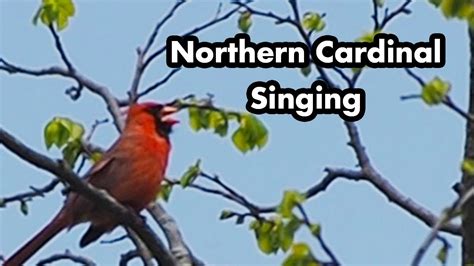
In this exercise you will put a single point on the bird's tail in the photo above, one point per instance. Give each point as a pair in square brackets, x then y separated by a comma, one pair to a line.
[58, 223]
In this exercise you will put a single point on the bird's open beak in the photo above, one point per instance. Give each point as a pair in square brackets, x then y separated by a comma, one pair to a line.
[167, 115]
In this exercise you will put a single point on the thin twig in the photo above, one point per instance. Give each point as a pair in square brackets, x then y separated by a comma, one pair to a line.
[141, 53]
[402, 9]
[192, 32]
[96, 88]
[159, 83]
[67, 255]
[60, 48]
[27, 196]
[447, 101]
[127, 257]
[324, 246]
[448, 214]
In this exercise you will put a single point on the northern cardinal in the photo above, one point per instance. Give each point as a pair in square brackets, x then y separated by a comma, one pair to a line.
[131, 171]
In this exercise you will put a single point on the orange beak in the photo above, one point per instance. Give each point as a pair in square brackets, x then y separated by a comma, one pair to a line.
[167, 115]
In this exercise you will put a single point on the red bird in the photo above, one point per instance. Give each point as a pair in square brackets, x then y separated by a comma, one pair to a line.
[131, 171]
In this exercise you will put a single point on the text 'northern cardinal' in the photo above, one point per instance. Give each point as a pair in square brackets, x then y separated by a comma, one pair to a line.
[131, 171]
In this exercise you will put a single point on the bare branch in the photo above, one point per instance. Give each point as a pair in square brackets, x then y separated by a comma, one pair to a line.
[296, 23]
[387, 189]
[375, 15]
[324, 246]
[178, 247]
[447, 101]
[140, 66]
[114, 240]
[67, 255]
[159, 83]
[143, 251]
[160, 24]
[60, 48]
[92, 86]
[417, 78]
[127, 257]
[379, 26]
[448, 214]
[94, 127]
[402, 9]
[27, 196]
[191, 32]
[124, 215]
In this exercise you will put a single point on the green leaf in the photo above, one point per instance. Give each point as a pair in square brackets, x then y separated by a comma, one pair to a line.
[468, 166]
[452, 8]
[435, 91]
[191, 174]
[301, 249]
[313, 22]
[245, 21]
[24, 208]
[219, 122]
[62, 137]
[47, 13]
[251, 134]
[50, 133]
[442, 255]
[240, 140]
[226, 214]
[59, 131]
[71, 152]
[37, 15]
[194, 118]
[77, 131]
[56, 133]
[300, 256]
[368, 36]
[380, 3]
[315, 229]
[2, 203]
[267, 235]
[287, 232]
[58, 11]
[436, 3]
[165, 191]
[290, 199]
[356, 70]
[306, 70]
[267, 240]
[95, 157]
[254, 225]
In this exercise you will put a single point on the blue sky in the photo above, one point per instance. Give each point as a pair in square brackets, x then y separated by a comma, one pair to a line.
[416, 147]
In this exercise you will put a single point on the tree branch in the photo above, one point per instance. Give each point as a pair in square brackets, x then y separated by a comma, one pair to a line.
[98, 89]
[124, 215]
[447, 101]
[191, 32]
[296, 23]
[59, 47]
[27, 196]
[67, 255]
[142, 250]
[324, 246]
[447, 215]
[140, 66]
[176, 242]
[384, 186]
[159, 83]
[402, 9]
[127, 257]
